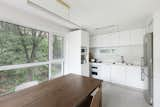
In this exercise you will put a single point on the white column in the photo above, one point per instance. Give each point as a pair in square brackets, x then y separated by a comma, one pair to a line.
[156, 60]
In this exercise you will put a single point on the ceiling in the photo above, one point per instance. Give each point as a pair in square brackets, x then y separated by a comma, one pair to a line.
[102, 13]
[96, 15]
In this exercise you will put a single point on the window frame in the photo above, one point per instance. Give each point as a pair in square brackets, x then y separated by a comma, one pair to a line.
[49, 62]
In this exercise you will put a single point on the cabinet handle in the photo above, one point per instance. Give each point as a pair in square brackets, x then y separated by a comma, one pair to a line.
[142, 75]
[95, 67]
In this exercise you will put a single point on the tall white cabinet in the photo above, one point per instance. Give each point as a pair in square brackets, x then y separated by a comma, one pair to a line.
[74, 42]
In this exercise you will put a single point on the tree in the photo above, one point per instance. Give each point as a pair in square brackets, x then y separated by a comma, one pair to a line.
[20, 45]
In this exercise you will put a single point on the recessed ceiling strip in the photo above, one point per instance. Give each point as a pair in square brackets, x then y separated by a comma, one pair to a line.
[63, 3]
[51, 13]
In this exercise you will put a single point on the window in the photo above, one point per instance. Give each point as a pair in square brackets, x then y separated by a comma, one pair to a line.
[58, 47]
[9, 79]
[22, 45]
[57, 70]
[58, 56]
[24, 56]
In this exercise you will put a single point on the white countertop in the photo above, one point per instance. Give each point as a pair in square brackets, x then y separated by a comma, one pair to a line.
[118, 64]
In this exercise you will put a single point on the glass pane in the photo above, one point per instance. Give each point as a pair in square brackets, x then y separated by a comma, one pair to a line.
[22, 45]
[11, 78]
[58, 47]
[56, 70]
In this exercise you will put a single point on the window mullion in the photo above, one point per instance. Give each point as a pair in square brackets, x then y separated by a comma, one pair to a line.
[50, 55]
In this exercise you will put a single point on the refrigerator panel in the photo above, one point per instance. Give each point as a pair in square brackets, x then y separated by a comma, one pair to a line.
[148, 63]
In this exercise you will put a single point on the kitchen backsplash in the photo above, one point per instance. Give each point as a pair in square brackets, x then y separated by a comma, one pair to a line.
[131, 54]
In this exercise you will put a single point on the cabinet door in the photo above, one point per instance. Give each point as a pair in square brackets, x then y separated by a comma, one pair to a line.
[106, 40]
[96, 41]
[85, 70]
[73, 53]
[124, 38]
[85, 39]
[114, 39]
[137, 36]
[105, 72]
[118, 74]
[133, 77]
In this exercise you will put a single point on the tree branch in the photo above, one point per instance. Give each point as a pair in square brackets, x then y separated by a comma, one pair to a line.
[23, 43]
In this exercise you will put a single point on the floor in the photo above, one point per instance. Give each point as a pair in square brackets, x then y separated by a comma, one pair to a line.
[118, 96]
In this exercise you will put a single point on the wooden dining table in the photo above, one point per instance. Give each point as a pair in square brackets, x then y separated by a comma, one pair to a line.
[67, 91]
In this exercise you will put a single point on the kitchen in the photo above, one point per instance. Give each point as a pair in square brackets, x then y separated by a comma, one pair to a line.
[107, 48]
[121, 56]
[117, 58]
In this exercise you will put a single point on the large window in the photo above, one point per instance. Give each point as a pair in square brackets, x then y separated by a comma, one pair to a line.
[22, 45]
[10, 79]
[25, 56]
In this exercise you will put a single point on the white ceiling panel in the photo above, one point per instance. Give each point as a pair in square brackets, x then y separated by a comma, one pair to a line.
[101, 13]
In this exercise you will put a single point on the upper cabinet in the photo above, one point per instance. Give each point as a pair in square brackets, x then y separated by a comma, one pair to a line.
[85, 39]
[104, 40]
[137, 36]
[124, 38]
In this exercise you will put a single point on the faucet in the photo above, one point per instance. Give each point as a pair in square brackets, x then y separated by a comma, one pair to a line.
[122, 60]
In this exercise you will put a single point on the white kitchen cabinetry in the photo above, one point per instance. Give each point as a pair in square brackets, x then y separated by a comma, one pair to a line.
[118, 74]
[98, 41]
[85, 39]
[133, 77]
[73, 53]
[112, 39]
[85, 69]
[137, 36]
[74, 42]
[104, 72]
[123, 38]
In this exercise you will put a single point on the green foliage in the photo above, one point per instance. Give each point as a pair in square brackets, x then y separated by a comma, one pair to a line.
[20, 45]
[11, 78]
[58, 47]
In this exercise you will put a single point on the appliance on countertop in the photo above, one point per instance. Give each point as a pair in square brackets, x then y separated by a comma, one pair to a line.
[147, 67]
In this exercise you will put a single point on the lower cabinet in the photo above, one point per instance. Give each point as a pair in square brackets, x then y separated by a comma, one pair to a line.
[104, 72]
[133, 77]
[121, 74]
[118, 74]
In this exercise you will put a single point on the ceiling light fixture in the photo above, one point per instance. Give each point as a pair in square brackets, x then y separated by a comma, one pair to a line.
[62, 2]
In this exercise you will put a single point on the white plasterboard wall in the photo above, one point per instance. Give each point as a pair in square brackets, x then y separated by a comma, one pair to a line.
[17, 16]
[156, 59]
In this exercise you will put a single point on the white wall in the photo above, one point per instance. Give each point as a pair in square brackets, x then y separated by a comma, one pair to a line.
[156, 59]
[17, 16]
